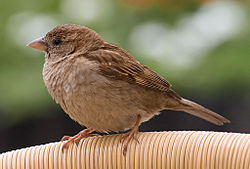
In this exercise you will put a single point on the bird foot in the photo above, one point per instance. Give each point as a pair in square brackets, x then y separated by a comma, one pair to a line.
[82, 134]
[128, 137]
[131, 135]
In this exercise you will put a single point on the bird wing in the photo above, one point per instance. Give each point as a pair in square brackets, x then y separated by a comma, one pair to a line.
[119, 65]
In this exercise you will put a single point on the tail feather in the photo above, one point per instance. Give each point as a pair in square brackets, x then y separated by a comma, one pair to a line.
[200, 111]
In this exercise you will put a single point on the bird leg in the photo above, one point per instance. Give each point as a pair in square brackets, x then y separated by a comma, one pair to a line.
[82, 134]
[131, 135]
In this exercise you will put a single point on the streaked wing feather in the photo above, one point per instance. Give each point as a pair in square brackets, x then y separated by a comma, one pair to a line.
[118, 67]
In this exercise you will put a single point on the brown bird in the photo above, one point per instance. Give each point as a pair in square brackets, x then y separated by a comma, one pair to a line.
[103, 87]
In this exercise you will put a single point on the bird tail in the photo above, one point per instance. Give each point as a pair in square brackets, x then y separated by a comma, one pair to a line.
[202, 112]
[181, 104]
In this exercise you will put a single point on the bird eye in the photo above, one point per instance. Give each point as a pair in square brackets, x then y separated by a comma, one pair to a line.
[56, 42]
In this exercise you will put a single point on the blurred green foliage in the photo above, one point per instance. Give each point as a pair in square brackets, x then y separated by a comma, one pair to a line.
[22, 91]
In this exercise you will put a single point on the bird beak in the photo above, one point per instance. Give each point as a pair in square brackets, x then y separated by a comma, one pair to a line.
[38, 44]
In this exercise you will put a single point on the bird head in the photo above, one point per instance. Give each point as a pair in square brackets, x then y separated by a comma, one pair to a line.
[67, 39]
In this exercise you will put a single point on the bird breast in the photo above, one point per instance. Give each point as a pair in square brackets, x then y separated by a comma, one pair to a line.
[94, 100]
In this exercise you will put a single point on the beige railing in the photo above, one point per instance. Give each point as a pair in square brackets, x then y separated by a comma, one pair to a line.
[155, 150]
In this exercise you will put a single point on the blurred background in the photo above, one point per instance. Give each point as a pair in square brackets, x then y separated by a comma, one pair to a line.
[201, 46]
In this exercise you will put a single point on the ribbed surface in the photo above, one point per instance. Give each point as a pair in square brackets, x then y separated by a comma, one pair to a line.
[158, 150]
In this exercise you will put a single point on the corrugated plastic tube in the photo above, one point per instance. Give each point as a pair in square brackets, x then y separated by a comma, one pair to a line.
[155, 150]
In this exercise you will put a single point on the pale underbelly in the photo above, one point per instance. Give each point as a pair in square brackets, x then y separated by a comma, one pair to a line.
[107, 110]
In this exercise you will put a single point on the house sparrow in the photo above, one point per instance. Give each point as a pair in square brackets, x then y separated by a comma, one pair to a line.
[103, 87]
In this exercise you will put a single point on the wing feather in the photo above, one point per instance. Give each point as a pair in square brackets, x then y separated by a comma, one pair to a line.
[117, 66]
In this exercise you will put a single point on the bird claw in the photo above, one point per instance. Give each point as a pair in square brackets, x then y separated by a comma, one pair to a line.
[65, 138]
[83, 134]
[76, 139]
[131, 135]
[69, 140]
[127, 137]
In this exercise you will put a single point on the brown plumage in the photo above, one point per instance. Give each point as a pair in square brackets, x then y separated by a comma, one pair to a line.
[102, 87]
